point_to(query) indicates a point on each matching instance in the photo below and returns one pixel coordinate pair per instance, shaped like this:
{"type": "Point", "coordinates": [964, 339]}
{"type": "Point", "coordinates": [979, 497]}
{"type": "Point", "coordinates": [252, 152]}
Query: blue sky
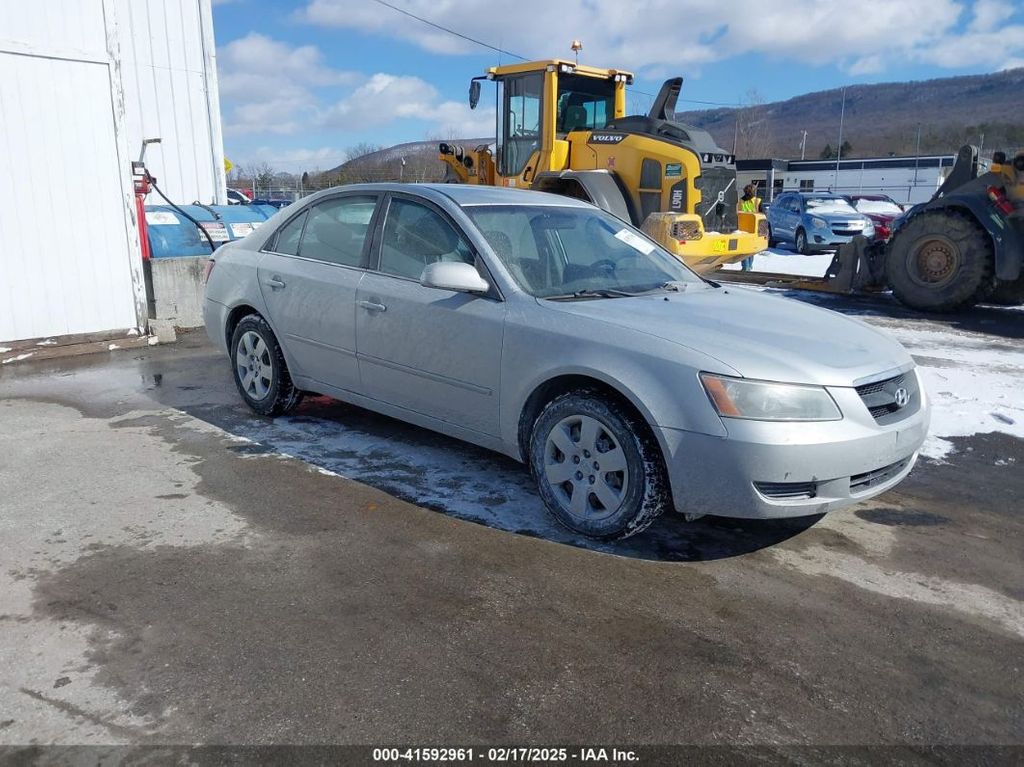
{"type": "Point", "coordinates": [301, 82]}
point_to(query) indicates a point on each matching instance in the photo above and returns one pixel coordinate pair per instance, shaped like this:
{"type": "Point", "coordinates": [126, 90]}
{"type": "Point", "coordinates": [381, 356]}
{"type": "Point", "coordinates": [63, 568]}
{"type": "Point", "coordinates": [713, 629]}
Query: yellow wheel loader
{"type": "Point", "coordinates": [562, 128]}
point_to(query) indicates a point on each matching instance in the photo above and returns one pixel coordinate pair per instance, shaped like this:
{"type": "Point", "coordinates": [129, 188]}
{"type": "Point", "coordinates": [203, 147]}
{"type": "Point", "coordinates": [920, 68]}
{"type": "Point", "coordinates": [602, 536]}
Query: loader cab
{"type": "Point", "coordinates": [539, 103]}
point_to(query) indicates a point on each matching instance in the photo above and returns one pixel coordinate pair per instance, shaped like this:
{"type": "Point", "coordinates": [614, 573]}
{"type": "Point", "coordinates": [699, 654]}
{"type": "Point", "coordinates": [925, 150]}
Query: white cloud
{"type": "Point", "coordinates": [385, 98]}
{"type": "Point", "coordinates": [268, 86]}
{"type": "Point", "coordinates": [868, 36]}
{"type": "Point", "coordinates": [271, 87]}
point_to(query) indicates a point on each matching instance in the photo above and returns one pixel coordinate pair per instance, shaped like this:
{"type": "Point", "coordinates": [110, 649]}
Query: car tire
{"type": "Point", "coordinates": [259, 369]}
{"type": "Point", "coordinates": [571, 436]}
{"type": "Point", "coordinates": [801, 243]}
{"type": "Point", "coordinates": [940, 261]}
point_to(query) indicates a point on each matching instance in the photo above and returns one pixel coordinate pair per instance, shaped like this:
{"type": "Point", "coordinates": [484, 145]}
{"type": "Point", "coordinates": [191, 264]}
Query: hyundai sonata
{"type": "Point", "coordinates": [546, 329]}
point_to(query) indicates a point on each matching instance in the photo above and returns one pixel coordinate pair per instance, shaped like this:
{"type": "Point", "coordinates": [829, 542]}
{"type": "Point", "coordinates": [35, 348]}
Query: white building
{"type": "Point", "coordinates": [904, 179]}
{"type": "Point", "coordinates": [82, 83]}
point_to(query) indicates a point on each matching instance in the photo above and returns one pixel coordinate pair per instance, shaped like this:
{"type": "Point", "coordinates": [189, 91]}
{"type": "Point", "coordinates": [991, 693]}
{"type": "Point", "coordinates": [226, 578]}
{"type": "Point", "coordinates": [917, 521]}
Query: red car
{"type": "Point", "coordinates": [881, 209]}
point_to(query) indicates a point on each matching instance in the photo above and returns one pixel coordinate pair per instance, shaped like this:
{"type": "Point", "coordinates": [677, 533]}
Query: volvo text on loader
{"type": "Point", "coordinates": [562, 128]}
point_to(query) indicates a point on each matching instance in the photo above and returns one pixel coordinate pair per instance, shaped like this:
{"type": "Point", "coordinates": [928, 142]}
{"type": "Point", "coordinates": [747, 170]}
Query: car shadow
{"type": "Point", "coordinates": [467, 482]}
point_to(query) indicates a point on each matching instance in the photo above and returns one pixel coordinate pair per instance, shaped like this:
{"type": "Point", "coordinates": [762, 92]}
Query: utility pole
{"type": "Point", "coordinates": [839, 151]}
{"type": "Point", "coordinates": [917, 153]}
{"type": "Point", "coordinates": [803, 144]}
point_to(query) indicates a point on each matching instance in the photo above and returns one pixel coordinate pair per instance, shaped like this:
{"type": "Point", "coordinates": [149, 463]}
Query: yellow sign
{"type": "Point", "coordinates": [228, 165]}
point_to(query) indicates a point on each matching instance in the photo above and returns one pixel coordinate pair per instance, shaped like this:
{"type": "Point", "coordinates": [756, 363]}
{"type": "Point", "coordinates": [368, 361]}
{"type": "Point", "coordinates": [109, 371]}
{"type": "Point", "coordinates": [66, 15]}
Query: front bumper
{"type": "Point", "coordinates": [826, 239]}
{"type": "Point", "coordinates": [764, 470]}
{"type": "Point", "coordinates": [706, 251]}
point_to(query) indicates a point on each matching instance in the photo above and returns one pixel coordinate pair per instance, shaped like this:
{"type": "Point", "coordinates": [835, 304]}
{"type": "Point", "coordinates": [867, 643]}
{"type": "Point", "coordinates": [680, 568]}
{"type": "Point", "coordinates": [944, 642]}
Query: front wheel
{"type": "Point", "coordinates": [941, 260]}
{"type": "Point", "coordinates": [598, 469]}
{"type": "Point", "coordinates": [260, 371]}
{"type": "Point", "coordinates": [772, 242]}
{"type": "Point", "coordinates": [801, 242]}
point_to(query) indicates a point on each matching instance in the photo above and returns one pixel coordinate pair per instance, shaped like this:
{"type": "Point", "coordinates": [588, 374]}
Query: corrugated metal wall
{"type": "Point", "coordinates": [81, 83]}
{"type": "Point", "coordinates": [170, 85]}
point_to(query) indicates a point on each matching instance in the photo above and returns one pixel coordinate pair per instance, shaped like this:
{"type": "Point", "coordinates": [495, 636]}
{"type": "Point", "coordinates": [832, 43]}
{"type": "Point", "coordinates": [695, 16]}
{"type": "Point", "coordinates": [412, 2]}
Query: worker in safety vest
{"type": "Point", "coordinates": [749, 203]}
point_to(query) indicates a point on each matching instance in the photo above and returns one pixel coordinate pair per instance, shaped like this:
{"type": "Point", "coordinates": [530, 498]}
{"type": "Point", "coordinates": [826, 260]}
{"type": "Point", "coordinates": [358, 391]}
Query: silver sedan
{"type": "Point", "coordinates": [545, 329]}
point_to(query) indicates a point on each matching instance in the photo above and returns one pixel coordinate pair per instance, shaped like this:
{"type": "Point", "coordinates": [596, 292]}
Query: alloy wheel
{"type": "Point", "coordinates": [253, 366]}
{"type": "Point", "coordinates": [586, 468]}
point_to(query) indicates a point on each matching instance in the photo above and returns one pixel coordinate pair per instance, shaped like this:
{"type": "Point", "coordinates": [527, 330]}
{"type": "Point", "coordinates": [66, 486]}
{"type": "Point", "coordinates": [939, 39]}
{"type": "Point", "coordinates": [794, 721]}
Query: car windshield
{"type": "Point", "coordinates": [879, 207]}
{"type": "Point", "coordinates": [829, 205]}
{"type": "Point", "coordinates": [563, 252]}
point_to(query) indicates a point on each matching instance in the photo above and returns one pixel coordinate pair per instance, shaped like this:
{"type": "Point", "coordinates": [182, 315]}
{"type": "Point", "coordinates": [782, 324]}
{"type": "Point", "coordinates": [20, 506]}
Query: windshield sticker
{"type": "Point", "coordinates": [635, 242]}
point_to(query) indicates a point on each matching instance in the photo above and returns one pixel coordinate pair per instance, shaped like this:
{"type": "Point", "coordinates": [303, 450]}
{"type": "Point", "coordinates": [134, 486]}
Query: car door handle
{"type": "Point", "coordinates": [274, 283]}
{"type": "Point", "coordinates": [371, 306]}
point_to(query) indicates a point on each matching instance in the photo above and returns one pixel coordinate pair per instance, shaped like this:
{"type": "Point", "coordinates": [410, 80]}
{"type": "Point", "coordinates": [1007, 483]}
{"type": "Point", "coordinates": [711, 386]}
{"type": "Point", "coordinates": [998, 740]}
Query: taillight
{"type": "Point", "coordinates": [998, 198]}
{"type": "Point", "coordinates": [207, 270]}
{"type": "Point", "coordinates": [882, 232]}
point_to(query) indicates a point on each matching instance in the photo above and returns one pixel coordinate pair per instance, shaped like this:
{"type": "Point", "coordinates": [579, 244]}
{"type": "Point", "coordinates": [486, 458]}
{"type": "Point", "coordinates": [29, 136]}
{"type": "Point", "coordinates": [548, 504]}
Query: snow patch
{"type": "Point", "coordinates": [964, 598]}
{"type": "Point", "coordinates": [17, 358]}
{"type": "Point", "coordinates": [112, 347]}
{"type": "Point", "coordinates": [153, 341]}
{"type": "Point", "coordinates": [4, 349]}
{"type": "Point", "coordinates": [782, 261]}
{"type": "Point", "coordinates": [47, 342]}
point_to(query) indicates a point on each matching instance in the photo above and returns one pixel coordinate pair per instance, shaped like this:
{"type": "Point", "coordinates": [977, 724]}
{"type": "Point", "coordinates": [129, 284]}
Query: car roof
{"type": "Point", "coordinates": [463, 194]}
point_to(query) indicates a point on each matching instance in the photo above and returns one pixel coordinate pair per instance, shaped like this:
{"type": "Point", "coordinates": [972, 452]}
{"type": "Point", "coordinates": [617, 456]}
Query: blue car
{"type": "Point", "coordinates": [815, 221]}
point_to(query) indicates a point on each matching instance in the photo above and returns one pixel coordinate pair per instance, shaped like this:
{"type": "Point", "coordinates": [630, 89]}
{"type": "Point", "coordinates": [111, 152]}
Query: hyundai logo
{"type": "Point", "coordinates": [901, 396]}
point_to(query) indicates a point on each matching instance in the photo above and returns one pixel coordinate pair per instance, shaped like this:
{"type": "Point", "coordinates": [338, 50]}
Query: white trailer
{"type": "Point", "coordinates": [82, 83]}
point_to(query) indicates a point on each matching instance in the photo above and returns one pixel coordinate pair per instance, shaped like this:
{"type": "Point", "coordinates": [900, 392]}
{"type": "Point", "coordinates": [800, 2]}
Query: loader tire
{"type": "Point", "coordinates": [941, 261]}
{"type": "Point", "coordinates": [1009, 293]}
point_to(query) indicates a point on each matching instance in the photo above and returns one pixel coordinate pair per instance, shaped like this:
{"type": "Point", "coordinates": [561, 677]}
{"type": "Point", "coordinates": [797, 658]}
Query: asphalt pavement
{"type": "Point", "coordinates": [175, 569]}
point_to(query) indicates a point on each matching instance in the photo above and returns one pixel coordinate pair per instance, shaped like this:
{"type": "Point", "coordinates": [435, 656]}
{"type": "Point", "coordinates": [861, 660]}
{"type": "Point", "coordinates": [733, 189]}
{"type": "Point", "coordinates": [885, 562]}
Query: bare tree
{"type": "Point", "coordinates": [752, 139]}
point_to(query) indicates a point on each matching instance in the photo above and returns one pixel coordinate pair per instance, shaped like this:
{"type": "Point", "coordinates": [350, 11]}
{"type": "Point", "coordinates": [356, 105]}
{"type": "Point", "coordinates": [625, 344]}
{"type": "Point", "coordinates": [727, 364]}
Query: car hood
{"type": "Point", "coordinates": [755, 334]}
{"type": "Point", "coordinates": [835, 218]}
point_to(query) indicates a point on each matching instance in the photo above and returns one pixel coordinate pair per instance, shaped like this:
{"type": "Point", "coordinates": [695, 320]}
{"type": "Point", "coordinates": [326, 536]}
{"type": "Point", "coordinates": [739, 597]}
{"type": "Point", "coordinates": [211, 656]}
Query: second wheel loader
{"type": "Point", "coordinates": [962, 247]}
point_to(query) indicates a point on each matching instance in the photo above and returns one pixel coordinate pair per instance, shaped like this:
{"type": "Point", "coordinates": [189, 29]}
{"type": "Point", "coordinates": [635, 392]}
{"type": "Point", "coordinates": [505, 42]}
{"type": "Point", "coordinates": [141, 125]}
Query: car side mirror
{"type": "Point", "coordinates": [454, 275]}
{"type": "Point", "coordinates": [474, 93]}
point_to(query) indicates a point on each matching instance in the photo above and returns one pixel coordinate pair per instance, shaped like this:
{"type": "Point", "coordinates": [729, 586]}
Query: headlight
{"type": "Point", "coordinates": [819, 223]}
{"type": "Point", "coordinates": [869, 227]}
{"type": "Point", "coordinates": [768, 401]}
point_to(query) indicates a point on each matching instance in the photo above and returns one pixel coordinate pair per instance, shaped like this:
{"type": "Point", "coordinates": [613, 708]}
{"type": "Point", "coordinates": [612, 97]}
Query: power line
{"type": "Point", "coordinates": [523, 58]}
{"type": "Point", "coordinates": [449, 31]}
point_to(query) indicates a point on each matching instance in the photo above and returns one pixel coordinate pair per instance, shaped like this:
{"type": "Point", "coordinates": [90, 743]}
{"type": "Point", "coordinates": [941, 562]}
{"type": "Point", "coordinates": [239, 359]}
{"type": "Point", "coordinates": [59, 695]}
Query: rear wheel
{"type": "Point", "coordinates": [801, 242]}
{"type": "Point", "coordinates": [940, 261]}
{"type": "Point", "coordinates": [260, 371]}
{"type": "Point", "coordinates": [598, 469]}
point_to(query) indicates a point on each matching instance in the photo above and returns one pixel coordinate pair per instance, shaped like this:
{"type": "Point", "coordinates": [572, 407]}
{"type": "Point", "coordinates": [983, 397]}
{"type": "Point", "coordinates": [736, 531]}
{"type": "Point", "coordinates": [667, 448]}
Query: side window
{"type": "Point", "coordinates": [522, 118]}
{"type": "Point", "coordinates": [337, 230]}
{"type": "Point", "coordinates": [414, 236]}
{"type": "Point", "coordinates": [288, 237]}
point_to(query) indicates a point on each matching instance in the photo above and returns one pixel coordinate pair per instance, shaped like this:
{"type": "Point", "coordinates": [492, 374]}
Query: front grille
{"type": "Point", "coordinates": [880, 398]}
{"type": "Point", "coordinates": [787, 491]}
{"type": "Point", "coordinates": [861, 482]}
{"type": "Point", "coordinates": [685, 231]}
{"type": "Point", "coordinates": [718, 215]}
{"type": "Point", "coordinates": [846, 231]}
{"type": "Point", "coordinates": [878, 386]}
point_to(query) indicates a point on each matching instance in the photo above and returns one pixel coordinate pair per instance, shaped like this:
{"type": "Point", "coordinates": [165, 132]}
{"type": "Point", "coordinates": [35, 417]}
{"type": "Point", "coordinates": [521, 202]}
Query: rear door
{"type": "Point", "coordinates": [432, 351]}
{"type": "Point", "coordinates": [308, 278]}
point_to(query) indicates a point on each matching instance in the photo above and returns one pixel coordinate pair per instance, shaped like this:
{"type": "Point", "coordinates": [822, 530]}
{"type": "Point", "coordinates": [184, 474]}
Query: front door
{"type": "Point", "coordinates": [435, 352]}
{"type": "Point", "coordinates": [308, 280]}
